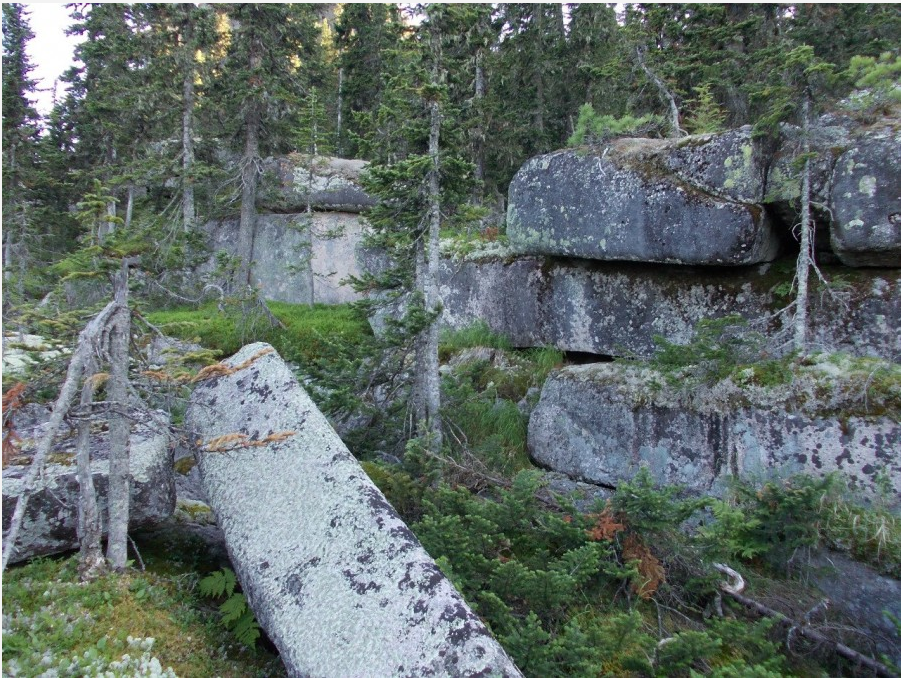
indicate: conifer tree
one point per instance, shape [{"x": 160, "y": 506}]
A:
[
  {"x": 367, "y": 36},
  {"x": 273, "y": 56},
  {"x": 21, "y": 125}
]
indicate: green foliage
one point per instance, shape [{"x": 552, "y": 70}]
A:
[
  {"x": 650, "y": 510},
  {"x": 877, "y": 83},
  {"x": 477, "y": 334},
  {"x": 718, "y": 347},
  {"x": 55, "y": 624},
  {"x": 706, "y": 115},
  {"x": 237, "y": 617},
  {"x": 592, "y": 128}
]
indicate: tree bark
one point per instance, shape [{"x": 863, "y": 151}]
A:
[
  {"x": 479, "y": 132},
  {"x": 90, "y": 557},
  {"x": 82, "y": 354},
  {"x": 665, "y": 94},
  {"x": 129, "y": 206},
  {"x": 805, "y": 256},
  {"x": 187, "y": 127},
  {"x": 433, "y": 302},
  {"x": 119, "y": 493},
  {"x": 249, "y": 173},
  {"x": 339, "y": 112}
]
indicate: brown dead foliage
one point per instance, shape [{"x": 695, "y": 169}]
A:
[
  {"x": 12, "y": 400},
  {"x": 649, "y": 567}
]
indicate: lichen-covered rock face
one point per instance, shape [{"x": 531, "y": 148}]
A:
[
  {"x": 600, "y": 423},
  {"x": 333, "y": 184},
  {"x": 618, "y": 308},
  {"x": 337, "y": 580},
  {"x": 51, "y": 517},
  {"x": 282, "y": 255},
  {"x": 583, "y": 204},
  {"x": 866, "y": 201}
]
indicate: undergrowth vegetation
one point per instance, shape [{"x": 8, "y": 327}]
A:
[
  {"x": 627, "y": 588},
  {"x": 724, "y": 350}
]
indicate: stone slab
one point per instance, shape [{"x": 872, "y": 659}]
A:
[
  {"x": 610, "y": 308},
  {"x": 866, "y": 200},
  {"x": 51, "y": 517},
  {"x": 601, "y": 423},
  {"x": 282, "y": 255},
  {"x": 622, "y": 207}
]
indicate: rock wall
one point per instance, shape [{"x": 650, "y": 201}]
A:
[
  {"x": 613, "y": 308},
  {"x": 282, "y": 254},
  {"x": 600, "y": 423},
  {"x": 339, "y": 583},
  {"x": 708, "y": 199}
]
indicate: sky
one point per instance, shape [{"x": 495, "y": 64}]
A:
[{"x": 50, "y": 50}]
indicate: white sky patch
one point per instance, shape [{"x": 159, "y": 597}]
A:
[{"x": 50, "y": 50}]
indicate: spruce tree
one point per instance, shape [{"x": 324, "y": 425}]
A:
[
  {"x": 273, "y": 56},
  {"x": 367, "y": 36},
  {"x": 21, "y": 125}
]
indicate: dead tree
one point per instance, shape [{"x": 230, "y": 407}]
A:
[
  {"x": 109, "y": 327},
  {"x": 90, "y": 556},
  {"x": 119, "y": 492}
]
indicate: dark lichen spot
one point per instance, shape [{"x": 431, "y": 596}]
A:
[{"x": 360, "y": 586}]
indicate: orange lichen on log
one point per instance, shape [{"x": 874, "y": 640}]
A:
[
  {"x": 240, "y": 441},
  {"x": 223, "y": 370}
]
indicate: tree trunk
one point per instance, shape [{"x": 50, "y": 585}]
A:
[
  {"x": 805, "y": 256},
  {"x": 340, "y": 149},
  {"x": 129, "y": 206},
  {"x": 432, "y": 382},
  {"x": 311, "y": 275},
  {"x": 420, "y": 411},
  {"x": 12, "y": 193},
  {"x": 90, "y": 557},
  {"x": 119, "y": 493},
  {"x": 665, "y": 94},
  {"x": 479, "y": 132},
  {"x": 187, "y": 128},
  {"x": 249, "y": 175}
]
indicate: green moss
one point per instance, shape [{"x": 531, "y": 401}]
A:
[
  {"x": 184, "y": 465},
  {"x": 308, "y": 330},
  {"x": 54, "y": 623}
]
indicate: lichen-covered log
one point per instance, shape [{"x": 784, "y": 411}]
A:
[{"x": 337, "y": 580}]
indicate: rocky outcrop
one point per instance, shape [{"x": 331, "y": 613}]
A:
[
  {"x": 282, "y": 255},
  {"x": 333, "y": 184},
  {"x": 618, "y": 308},
  {"x": 619, "y": 206},
  {"x": 866, "y": 201},
  {"x": 52, "y": 514},
  {"x": 339, "y": 583},
  {"x": 713, "y": 199},
  {"x": 600, "y": 423}
]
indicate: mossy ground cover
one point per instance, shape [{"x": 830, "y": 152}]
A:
[
  {"x": 307, "y": 331},
  {"x": 133, "y": 624}
]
